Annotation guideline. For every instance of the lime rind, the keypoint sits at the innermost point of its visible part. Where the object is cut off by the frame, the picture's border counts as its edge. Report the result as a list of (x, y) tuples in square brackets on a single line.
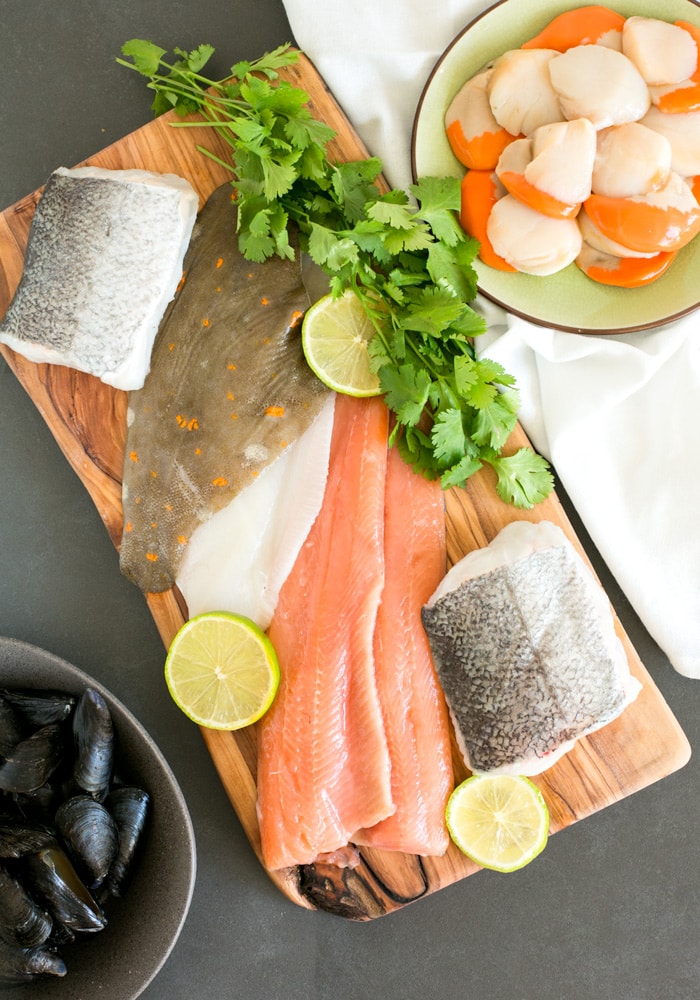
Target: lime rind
[(501, 822), (222, 671)]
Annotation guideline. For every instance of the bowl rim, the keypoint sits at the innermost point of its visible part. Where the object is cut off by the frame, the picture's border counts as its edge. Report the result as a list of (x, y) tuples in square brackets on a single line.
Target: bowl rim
[(44, 661)]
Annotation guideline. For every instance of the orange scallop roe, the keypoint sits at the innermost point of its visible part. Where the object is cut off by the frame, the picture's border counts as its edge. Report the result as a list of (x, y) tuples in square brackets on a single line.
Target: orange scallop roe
[(532, 196), (478, 195), (630, 272), (641, 226), (478, 152), (582, 26), (684, 99)]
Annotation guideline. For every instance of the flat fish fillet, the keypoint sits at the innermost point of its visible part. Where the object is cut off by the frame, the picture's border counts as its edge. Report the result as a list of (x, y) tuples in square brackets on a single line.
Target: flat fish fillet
[(414, 709), (524, 643), (229, 389), (323, 761), (104, 258), (239, 558)]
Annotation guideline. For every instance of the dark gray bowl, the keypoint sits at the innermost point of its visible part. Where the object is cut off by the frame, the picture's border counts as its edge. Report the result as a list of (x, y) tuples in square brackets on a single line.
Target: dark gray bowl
[(119, 962)]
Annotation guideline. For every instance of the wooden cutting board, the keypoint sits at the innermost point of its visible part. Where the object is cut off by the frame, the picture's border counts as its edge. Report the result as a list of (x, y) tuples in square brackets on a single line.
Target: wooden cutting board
[(87, 418)]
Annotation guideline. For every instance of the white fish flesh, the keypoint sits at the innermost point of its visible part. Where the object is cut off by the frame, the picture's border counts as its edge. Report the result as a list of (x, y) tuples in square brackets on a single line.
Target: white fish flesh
[(104, 258), (524, 644), (239, 558)]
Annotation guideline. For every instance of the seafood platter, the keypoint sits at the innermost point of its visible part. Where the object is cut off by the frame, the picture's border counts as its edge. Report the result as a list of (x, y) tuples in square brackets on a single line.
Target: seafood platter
[(111, 939), (567, 299), (97, 425)]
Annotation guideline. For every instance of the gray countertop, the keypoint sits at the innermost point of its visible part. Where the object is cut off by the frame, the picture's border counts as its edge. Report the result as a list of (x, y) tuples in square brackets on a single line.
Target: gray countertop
[(610, 910)]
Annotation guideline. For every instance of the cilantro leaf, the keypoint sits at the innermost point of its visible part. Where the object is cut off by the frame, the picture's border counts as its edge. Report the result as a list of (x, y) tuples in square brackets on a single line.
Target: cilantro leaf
[(523, 478)]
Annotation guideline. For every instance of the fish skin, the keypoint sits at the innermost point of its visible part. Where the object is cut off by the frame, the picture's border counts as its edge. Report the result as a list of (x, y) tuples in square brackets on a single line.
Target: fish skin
[(323, 761), (413, 705), (104, 257), (228, 390), (525, 648)]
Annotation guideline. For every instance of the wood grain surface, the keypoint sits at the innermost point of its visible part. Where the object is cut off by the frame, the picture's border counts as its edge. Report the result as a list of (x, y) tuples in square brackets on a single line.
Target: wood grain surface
[(87, 418)]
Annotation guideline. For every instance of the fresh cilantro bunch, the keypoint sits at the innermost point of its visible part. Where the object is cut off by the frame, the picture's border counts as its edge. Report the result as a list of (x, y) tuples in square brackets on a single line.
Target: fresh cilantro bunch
[(403, 253)]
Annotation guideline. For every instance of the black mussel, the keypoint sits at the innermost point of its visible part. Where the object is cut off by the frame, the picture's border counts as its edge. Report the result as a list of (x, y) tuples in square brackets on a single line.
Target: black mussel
[(91, 836), (33, 760), (130, 807), (34, 807), (23, 922), (93, 734), (19, 965), (40, 707), (18, 840), (54, 880), (11, 727)]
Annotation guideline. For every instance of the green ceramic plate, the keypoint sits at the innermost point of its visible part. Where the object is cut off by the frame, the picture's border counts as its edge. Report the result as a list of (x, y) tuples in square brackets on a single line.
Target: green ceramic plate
[(567, 300)]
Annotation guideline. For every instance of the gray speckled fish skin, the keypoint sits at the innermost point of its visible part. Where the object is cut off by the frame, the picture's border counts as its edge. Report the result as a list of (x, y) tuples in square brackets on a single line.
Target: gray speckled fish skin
[(104, 257), (523, 660), (228, 390)]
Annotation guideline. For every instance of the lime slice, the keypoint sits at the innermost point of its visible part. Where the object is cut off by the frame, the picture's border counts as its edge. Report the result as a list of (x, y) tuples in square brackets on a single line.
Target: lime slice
[(334, 335), (222, 670), (499, 821)]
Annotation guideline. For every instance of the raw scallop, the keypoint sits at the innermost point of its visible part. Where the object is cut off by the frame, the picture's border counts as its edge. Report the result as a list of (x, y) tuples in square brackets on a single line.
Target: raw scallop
[(228, 392), (104, 258), (525, 647)]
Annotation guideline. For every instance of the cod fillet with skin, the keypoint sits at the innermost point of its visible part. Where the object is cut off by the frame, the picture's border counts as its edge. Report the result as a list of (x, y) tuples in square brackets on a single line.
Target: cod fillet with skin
[(525, 647), (104, 258)]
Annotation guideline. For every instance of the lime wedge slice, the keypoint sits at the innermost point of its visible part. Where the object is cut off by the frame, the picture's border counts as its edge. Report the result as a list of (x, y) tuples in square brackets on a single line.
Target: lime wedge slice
[(334, 334), (499, 821), (222, 670)]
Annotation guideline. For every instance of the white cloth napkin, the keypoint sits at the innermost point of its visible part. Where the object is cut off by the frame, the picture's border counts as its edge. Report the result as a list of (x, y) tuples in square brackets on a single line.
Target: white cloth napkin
[(618, 416)]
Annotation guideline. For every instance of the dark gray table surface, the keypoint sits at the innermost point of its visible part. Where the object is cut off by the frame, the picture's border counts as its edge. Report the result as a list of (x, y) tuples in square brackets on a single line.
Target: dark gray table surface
[(611, 909)]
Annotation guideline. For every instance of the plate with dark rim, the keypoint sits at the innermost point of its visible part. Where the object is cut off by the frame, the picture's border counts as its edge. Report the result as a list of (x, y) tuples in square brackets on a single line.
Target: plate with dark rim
[(568, 300)]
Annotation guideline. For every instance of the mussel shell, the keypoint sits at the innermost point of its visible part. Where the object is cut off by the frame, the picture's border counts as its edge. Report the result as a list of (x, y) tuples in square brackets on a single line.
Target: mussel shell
[(53, 878), (130, 807), (33, 760), (12, 727), (93, 734), (40, 707), (23, 922), (91, 836), (18, 840), (19, 965)]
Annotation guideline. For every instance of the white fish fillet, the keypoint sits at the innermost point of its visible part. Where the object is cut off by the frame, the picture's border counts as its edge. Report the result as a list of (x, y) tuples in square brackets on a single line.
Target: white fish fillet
[(239, 558), (525, 647), (104, 258)]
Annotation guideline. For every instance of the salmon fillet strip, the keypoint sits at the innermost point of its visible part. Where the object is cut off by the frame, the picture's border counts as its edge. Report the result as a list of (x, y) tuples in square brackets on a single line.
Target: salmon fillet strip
[(414, 708), (323, 760)]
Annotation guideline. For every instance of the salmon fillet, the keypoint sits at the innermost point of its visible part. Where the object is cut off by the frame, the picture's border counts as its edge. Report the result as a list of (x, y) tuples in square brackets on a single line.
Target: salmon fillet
[(323, 760), (414, 708)]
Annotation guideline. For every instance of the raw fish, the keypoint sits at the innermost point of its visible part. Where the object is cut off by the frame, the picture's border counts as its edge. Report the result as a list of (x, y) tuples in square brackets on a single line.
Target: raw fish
[(524, 643), (323, 760), (413, 705), (104, 258), (228, 392), (239, 558)]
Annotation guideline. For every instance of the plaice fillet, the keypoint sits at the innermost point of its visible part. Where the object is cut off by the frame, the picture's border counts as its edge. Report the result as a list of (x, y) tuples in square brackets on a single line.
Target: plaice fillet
[(525, 647), (323, 761), (228, 392), (239, 558), (104, 258), (413, 705)]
